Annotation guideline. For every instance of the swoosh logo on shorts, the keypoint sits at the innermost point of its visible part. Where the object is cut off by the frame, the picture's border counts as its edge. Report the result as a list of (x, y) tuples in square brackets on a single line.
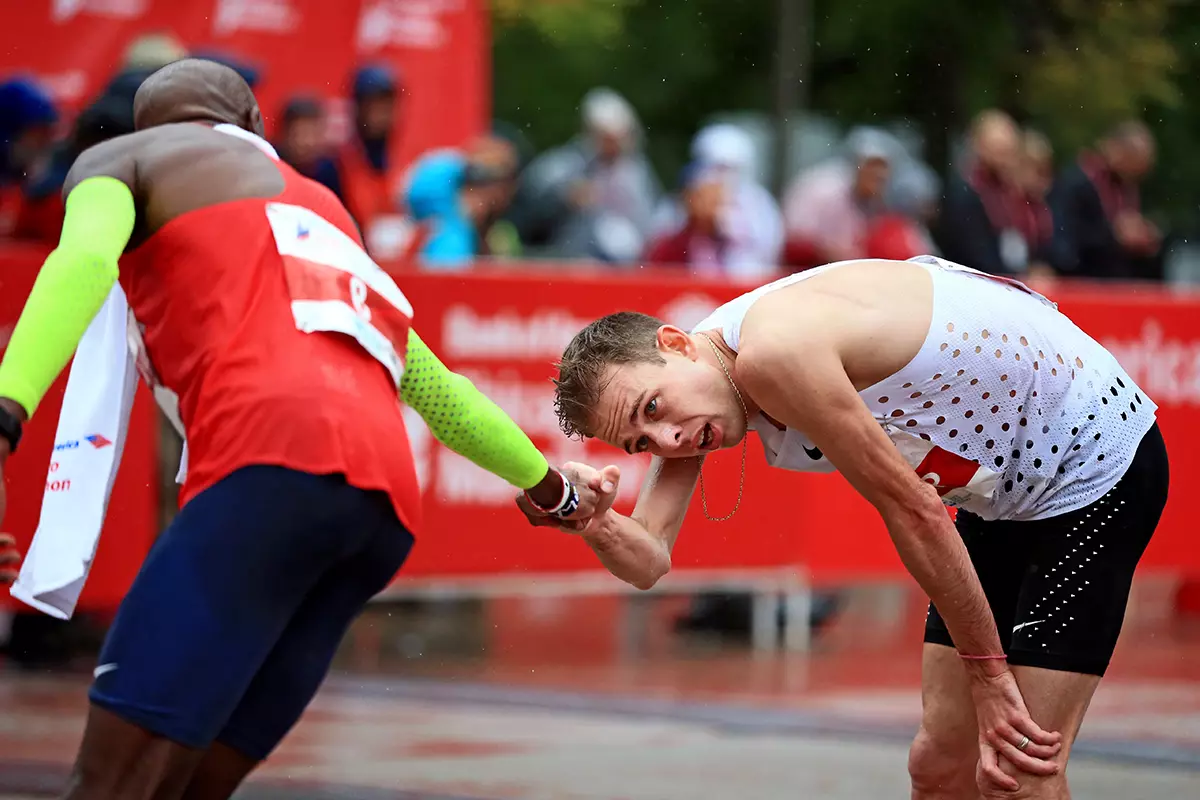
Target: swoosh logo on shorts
[(1027, 624), (103, 669), (813, 453)]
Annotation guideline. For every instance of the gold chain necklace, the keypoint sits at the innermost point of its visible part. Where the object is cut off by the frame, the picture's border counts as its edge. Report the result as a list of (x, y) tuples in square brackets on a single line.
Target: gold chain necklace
[(745, 437)]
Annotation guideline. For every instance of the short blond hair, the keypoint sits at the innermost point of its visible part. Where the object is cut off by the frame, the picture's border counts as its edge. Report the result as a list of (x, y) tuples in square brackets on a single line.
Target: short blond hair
[(625, 337)]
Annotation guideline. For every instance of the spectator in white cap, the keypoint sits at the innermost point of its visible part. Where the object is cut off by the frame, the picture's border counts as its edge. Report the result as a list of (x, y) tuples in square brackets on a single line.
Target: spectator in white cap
[(828, 208), (594, 196), (750, 220)]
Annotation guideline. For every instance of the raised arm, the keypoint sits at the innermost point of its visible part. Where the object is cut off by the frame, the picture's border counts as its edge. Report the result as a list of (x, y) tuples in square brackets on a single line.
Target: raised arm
[(467, 422)]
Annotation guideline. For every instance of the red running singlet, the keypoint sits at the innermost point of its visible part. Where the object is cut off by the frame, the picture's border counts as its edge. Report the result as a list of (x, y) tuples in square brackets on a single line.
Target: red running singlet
[(223, 296)]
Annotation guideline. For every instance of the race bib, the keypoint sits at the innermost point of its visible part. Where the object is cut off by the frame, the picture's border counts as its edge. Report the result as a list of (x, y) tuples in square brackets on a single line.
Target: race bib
[(336, 288), (956, 479)]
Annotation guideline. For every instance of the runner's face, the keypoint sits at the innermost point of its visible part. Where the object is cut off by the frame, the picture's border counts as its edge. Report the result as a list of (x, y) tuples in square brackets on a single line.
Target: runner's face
[(679, 409)]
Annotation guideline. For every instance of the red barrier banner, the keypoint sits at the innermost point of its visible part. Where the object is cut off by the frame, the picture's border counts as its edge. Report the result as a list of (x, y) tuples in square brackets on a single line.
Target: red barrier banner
[(132, 521), (440, 47), (505, 328)]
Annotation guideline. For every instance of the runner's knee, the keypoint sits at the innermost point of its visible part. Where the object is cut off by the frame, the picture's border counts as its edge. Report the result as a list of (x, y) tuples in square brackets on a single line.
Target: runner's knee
[(1031, 788), (941, 768)]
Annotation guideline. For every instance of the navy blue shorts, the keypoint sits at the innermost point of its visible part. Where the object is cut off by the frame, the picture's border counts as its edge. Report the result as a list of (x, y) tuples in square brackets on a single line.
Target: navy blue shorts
[(232, 623)]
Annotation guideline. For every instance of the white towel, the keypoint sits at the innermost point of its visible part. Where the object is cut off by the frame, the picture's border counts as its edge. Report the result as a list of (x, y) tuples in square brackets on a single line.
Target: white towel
[(87, 451), (88, 446)]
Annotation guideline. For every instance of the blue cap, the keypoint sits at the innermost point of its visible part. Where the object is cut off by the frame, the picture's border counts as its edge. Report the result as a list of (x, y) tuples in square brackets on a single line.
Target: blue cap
[(23, 104), (374, 79)]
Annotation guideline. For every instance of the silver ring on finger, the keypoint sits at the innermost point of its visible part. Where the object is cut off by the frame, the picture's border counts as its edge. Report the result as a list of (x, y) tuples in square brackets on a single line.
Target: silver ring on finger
[(1023, 743)]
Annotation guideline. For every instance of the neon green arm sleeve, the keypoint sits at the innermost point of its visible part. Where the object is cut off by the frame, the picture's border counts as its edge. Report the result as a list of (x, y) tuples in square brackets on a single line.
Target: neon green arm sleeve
[(463, 419), (70, 289)]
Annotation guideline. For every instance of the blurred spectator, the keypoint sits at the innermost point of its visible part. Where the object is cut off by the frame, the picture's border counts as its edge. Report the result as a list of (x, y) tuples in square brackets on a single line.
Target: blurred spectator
[(903, 231), (593, 197), (153, 51), (145, 55), (456, 197), (42, 211), (749, 216), (1099, 228), (699, 242), (364, 172), (1035, 177), (829, 208), (303, 142), (980, 224), (27, 120)]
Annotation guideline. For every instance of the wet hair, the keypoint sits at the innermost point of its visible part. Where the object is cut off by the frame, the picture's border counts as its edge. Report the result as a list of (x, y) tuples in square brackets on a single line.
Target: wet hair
[(626, 337)]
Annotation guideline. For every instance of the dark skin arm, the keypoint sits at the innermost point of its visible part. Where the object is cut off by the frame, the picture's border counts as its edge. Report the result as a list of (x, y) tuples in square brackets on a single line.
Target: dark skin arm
[(10, 559)]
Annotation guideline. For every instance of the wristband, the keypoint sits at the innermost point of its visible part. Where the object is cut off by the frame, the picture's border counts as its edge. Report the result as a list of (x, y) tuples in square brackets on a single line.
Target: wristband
[(1001, 657), (565, 506)]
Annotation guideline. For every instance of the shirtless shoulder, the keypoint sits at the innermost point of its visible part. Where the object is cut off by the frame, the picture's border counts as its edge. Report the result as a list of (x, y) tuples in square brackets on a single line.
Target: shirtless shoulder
[(174, 169), (872, 316)]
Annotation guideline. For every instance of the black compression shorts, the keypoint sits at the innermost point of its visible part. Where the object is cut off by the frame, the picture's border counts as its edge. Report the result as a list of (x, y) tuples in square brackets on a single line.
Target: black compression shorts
[(1058, 587)]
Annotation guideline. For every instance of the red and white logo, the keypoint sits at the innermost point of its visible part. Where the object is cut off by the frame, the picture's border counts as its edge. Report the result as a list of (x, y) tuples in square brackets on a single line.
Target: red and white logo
[(66, 10), (263, 16), (67, 88), (405, 24)]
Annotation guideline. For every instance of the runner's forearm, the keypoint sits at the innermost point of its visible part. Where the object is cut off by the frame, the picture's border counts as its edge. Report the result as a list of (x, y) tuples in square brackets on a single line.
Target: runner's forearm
[(467, 422), (934, 554), (70, 289), (629, 551)]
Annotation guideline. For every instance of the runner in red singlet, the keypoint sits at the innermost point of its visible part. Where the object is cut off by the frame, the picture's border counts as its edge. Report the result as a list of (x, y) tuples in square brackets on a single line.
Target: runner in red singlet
[(285, 347)]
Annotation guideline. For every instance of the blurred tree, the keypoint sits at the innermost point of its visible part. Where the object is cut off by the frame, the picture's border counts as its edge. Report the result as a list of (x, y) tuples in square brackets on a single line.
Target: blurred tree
[(1096, 64), (566, 22), (677, 61), (1070, 67)]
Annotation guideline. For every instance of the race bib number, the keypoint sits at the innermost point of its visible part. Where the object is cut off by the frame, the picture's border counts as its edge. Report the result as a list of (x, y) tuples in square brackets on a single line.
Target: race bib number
[(335, 286)]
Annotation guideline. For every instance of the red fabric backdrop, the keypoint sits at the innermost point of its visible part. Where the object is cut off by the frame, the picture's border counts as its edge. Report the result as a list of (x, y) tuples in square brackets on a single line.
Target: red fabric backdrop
[(73, 47)]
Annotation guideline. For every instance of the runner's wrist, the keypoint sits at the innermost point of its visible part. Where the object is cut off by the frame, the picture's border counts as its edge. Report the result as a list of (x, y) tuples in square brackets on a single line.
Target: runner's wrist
[(547, 494), (984, 671)]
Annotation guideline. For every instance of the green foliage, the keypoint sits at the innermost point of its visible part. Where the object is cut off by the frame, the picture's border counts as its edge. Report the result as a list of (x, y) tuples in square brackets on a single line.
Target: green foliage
[(677, 63), (1109, 62), (568, 23)]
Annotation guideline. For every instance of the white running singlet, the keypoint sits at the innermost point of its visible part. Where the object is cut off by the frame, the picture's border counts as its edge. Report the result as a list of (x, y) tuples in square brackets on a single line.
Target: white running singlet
[(1009, 409)]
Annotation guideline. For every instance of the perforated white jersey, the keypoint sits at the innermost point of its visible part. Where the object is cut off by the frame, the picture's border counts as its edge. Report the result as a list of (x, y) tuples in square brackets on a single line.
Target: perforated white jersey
[(1009, 409)]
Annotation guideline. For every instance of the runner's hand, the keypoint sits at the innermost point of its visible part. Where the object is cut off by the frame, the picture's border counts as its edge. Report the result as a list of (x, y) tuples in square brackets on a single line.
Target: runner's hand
[(597, 491), (1004, 722)]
